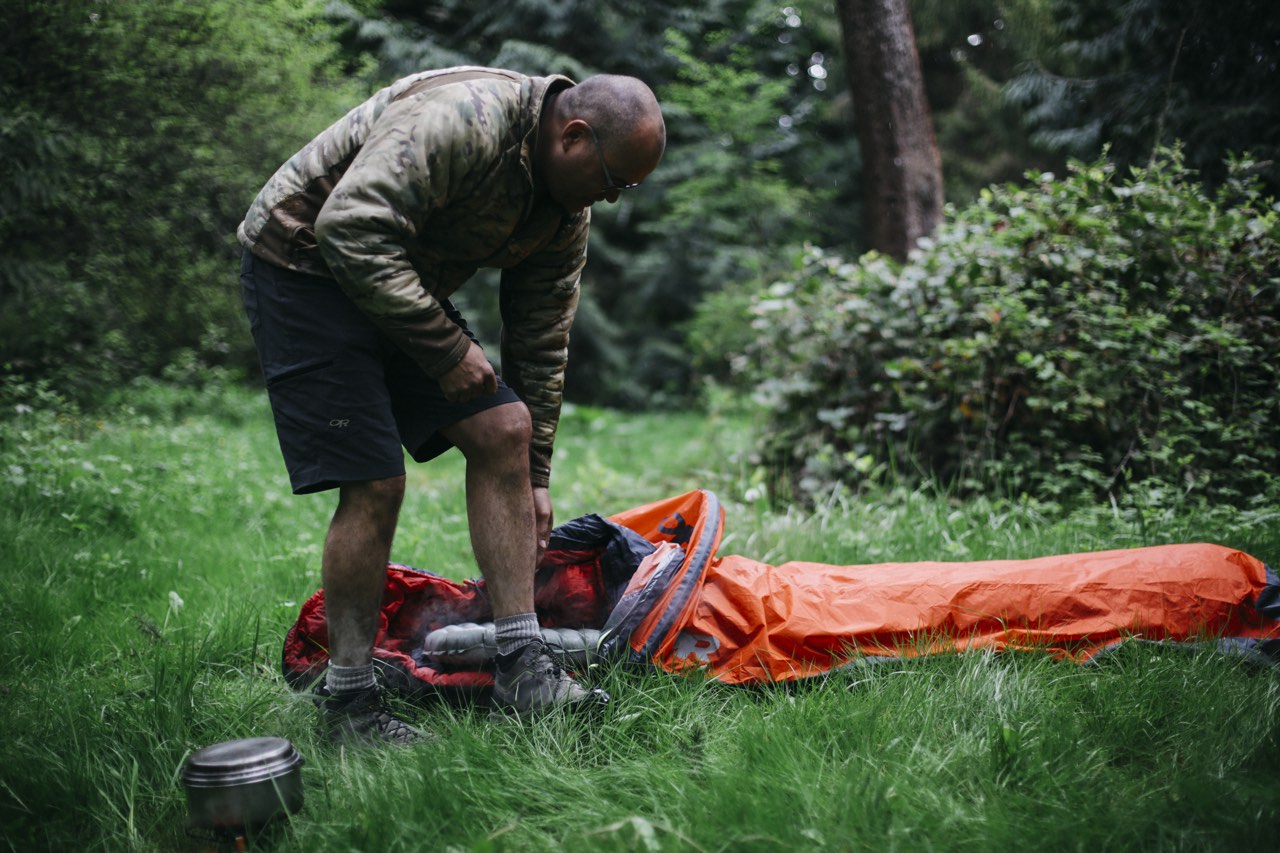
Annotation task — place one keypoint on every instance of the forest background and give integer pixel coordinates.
(1070, 329)
(1083, 355)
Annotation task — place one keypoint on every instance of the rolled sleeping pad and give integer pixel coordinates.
(472, 645)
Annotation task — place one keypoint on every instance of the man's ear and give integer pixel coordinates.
(573, 133)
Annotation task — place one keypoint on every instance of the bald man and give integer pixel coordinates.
(354, 247)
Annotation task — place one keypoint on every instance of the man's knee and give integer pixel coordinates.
(503, 431)
(378, 499)
(513, 427)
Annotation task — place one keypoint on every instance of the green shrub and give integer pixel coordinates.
(133, 136)
(1069, 337)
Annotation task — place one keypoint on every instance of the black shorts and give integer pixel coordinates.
(345, 398)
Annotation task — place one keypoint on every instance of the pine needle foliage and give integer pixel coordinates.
(1143, 74)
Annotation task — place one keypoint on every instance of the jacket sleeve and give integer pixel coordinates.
(421, 153)
(538, 300)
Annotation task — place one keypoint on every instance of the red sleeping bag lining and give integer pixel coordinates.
(651, 582)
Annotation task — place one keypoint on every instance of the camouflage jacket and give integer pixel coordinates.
(411, 192)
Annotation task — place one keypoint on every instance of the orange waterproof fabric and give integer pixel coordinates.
(745, 621)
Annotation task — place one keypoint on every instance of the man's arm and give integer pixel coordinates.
(470, 378)
(538, 301)
(418, 155)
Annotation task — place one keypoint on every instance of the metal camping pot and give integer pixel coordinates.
(242, 785)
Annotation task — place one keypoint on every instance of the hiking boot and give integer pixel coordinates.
(363, 717)
(531, 681)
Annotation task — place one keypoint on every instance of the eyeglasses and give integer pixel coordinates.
(608, 178)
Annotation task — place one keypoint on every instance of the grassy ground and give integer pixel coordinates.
(153, 562)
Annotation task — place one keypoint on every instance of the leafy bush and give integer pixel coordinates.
(134, 137)
(1069, 337)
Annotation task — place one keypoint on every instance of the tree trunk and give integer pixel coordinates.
(901, 168)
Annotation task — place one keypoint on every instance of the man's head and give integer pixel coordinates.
(597, 139)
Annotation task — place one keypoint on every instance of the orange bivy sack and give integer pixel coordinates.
(648, 586)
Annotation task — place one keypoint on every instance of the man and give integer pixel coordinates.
(355, 245)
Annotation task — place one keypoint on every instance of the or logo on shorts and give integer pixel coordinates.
(340, 423)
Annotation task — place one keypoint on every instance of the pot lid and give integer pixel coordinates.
(237, 762)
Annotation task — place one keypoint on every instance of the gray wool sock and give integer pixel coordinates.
(348, 679)
(514, 632)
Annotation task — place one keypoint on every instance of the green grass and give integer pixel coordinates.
(152, 563)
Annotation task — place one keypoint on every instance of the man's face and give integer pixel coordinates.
(586, 171)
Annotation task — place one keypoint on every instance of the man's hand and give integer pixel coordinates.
(470, 378)
(542, 518)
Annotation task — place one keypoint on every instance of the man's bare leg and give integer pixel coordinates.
(500, 507)
(500, 503)
(354, 570)
(354, 566)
